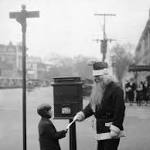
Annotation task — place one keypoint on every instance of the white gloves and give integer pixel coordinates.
(113, 134)
(79, 116)
(114, 131)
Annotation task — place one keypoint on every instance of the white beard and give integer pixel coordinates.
(96, 95)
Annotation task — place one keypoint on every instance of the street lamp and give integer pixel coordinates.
(21, 18)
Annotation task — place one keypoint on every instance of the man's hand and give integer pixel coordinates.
(114, 131)
(79, 116)
(113, 134)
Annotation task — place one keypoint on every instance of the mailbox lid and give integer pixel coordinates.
(66, 81)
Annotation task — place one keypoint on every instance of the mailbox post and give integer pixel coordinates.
(67, 102)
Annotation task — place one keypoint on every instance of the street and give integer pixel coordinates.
(137, 123)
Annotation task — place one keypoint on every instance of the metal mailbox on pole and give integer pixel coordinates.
(67, 102)
(67, 97)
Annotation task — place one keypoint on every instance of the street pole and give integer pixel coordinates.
(103, 45)
(24, 83)
(21, 18)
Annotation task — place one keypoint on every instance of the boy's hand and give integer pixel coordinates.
(65, 131)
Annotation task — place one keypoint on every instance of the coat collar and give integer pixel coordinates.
(108, 90)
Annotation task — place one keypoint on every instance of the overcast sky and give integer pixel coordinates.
(69, 27)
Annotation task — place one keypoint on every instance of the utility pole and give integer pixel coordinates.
(21, 18)
(103, 45)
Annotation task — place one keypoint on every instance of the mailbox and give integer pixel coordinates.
(67, 93)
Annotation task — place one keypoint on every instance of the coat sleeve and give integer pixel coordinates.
(51, 131)
(88, 111)
(119, 110)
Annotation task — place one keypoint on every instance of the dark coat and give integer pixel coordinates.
(48, 136)
(112, 109)
(132, 87)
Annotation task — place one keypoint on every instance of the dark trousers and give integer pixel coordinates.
(108, 144)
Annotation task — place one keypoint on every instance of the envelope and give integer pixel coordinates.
(69, 125)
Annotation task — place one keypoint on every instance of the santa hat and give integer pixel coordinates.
(100, 68)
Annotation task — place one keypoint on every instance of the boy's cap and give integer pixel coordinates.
(42, 108)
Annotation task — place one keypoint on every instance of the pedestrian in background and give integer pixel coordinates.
(139, 93)
(48, 135)
(131, 91)
(127, 88)
(107, 105)
(145, 91)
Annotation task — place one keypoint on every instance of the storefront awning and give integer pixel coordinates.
(138, 68)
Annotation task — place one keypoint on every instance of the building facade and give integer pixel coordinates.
(10, 61)
(142, 53)
(36, 69)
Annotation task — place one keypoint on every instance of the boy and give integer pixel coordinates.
(48, 135)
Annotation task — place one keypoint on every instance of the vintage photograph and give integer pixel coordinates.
(74, 74)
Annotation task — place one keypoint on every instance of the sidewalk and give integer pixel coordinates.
(137, 124)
